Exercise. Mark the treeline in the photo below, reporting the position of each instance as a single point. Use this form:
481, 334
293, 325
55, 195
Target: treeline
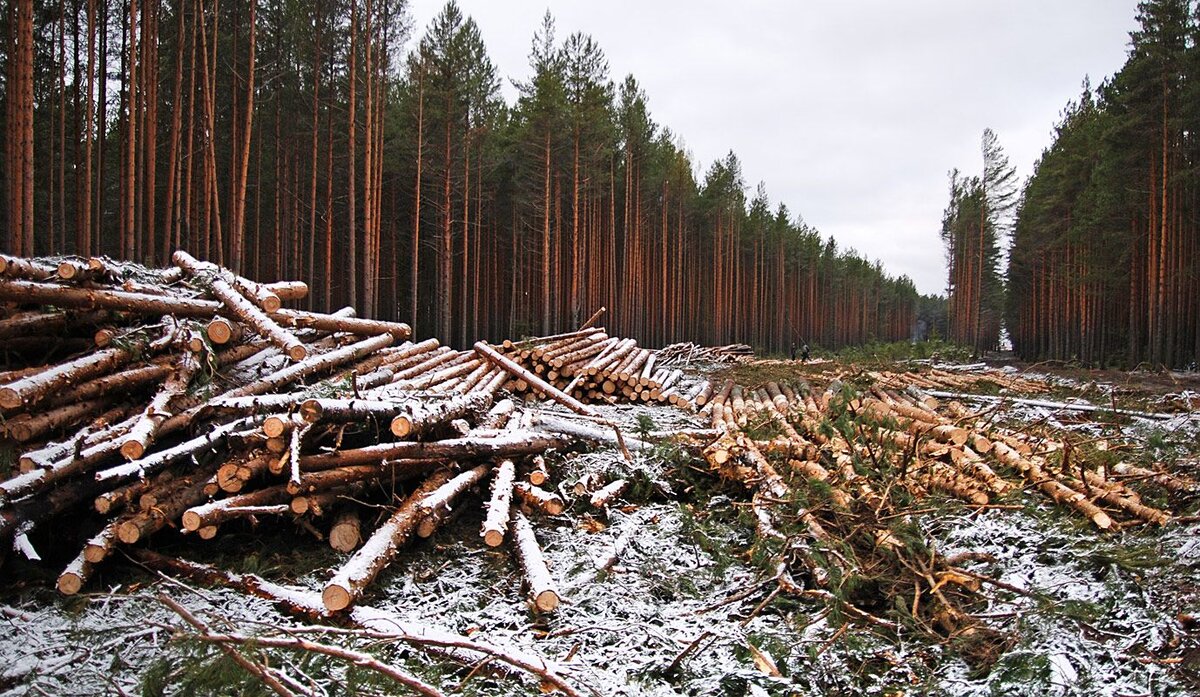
291, 141
1104, 266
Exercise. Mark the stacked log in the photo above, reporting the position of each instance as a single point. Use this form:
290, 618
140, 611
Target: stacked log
204, 404
593, 367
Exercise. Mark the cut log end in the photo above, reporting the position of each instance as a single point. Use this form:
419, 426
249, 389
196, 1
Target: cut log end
9, 399
335, 598
493, 538
1102, 521
192, 521
129, 532
132, 449
207, 532
546, 601
95, 554
402, 426
297, 353
69, 583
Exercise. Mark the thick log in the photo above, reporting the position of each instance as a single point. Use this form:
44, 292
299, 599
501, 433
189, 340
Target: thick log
143, 431
348, 583
542, 588
1056, 490
605, 496
25, 427
436, 507
536, 497
392, 470
420, 417
288, 290
72, 579
508, 444
346, 532
341, 410
19, 267
145, 303
158, 460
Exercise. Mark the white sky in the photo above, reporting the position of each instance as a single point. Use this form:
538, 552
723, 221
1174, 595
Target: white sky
851, 112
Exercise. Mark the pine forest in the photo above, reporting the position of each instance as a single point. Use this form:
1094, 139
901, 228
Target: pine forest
318, 141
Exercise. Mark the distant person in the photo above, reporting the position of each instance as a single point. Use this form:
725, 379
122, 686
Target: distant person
793, 350
804, 354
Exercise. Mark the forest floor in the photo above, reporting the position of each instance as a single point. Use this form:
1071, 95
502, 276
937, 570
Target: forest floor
689, 607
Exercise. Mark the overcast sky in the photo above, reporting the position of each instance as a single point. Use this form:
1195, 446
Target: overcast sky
851, 112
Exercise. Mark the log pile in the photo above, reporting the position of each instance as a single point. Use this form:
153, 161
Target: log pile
930, 446
594, 367
199, 403
686, 353
836, 478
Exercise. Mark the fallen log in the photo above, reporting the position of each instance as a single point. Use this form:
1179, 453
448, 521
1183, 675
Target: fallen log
348, 584
542, 589
499, 506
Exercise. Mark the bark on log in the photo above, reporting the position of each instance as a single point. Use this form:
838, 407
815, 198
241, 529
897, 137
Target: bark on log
212, 276
348, 584
536, 497
509, 444
542, 588
32, 389
499, 506
420, 417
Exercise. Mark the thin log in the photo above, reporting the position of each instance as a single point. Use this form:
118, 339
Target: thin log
542, 588
499, 506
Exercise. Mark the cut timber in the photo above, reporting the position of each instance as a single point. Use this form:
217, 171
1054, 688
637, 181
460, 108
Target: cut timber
508, 444
342, 410
223, 331
538, 474
34, 388
346, 533
499, 506
542, 588
1053, 488
19, 267
602, 498
420, 417
26, 427
158, 305
313, 364
217, 512
536, 497
213, 276
259, 294
160, 459
142, 433
98, 548
436, 508
356, 574
71, 580
517, 371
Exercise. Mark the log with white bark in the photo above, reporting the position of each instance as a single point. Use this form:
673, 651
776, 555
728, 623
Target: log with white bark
605, 496
537, 497
142, 433
213, 277
542, 589
438, 506
348, 584
499, 506
420, 417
